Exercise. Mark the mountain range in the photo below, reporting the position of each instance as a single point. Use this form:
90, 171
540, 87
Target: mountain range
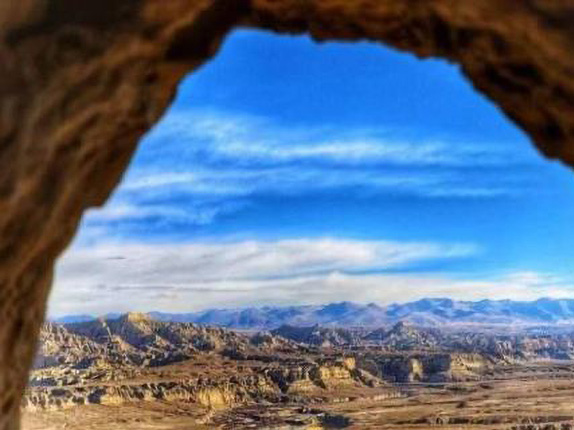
424, 312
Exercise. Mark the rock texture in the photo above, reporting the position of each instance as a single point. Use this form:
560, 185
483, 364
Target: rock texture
135, 358
131, 340
233, 377
80, 82
412, 346
438, 367
142, 372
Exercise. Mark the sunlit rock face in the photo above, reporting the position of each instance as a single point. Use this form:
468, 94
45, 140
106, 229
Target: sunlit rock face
88, 363
80, 82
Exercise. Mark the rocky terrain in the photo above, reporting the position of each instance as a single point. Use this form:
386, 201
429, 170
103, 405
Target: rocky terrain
106, 373
125, 359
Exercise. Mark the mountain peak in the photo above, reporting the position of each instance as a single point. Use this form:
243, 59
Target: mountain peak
135, 317
430, 312
401, 327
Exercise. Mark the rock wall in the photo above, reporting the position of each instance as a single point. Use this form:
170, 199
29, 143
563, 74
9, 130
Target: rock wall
219, 394
272, 384
81, 81
327, 374
429, 367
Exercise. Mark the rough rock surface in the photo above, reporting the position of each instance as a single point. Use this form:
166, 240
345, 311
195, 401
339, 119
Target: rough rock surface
128, 359
80, 82
130, 340
439, 367
133, 364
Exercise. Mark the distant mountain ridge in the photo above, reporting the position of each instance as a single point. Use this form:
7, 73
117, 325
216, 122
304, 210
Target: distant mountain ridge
424, 312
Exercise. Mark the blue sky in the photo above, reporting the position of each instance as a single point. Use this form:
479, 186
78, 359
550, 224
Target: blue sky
290, 172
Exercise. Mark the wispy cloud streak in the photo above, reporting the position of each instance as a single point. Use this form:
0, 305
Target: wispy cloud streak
196, 166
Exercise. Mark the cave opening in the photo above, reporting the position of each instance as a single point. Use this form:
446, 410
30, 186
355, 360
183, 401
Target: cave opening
318, 189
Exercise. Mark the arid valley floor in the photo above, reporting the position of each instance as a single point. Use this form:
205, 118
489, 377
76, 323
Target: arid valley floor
134, 372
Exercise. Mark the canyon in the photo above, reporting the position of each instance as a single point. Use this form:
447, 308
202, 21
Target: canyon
139, 372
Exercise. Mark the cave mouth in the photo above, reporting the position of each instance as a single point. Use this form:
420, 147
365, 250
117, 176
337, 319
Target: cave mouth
81, 84
348, 178
380, 168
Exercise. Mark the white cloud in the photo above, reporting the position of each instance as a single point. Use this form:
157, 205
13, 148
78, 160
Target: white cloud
125, 211
209, 160
195, 167
305, 289
118, 277
217, 149
243, 138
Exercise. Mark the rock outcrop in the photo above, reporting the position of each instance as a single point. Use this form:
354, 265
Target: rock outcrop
135, 340
81, 82
135, 358
318, 336
218, 377
210, 394
441, 367
404, 336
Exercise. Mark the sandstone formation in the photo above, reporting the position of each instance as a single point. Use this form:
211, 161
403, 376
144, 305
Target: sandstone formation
318, 336
441, 367
134, 358
80, 82
183, 375
131, 340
